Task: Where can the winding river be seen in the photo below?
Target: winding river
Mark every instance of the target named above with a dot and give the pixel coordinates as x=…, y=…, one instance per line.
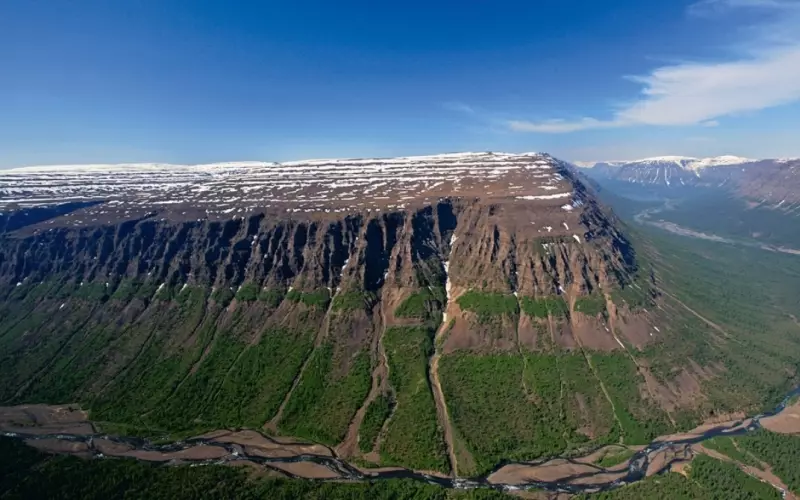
x=338, y=469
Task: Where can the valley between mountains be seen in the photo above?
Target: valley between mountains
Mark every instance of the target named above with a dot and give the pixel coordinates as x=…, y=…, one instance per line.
x=441, y=314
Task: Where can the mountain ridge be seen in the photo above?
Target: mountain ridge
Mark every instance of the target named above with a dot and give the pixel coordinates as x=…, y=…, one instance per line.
x=685, y=162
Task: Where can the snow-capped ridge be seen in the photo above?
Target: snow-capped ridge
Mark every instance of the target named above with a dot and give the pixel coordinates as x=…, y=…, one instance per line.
x=683, y=162
x=232, y=189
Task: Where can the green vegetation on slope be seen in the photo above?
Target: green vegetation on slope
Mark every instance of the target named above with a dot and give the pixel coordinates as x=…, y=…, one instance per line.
x=323, y=403
x=353, y=301
x=554, y=306
x=512, y=406
x=725, y=480
x=591, y=305
x=271, y=296
x=413, y=437
x=377, y=413
x=248, y=292
x=672, y=486
x=780, y=451
x=421, y=304
x=256, y=384
x=640, y=419
x=729, y=446
x=488, y=304
x=750, y=296
x=317, y=298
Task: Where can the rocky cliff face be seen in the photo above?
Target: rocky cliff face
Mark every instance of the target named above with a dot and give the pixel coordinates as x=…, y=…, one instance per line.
x=536, y=233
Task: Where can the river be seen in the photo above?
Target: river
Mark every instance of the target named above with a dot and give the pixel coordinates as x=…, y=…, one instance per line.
x=636, y=470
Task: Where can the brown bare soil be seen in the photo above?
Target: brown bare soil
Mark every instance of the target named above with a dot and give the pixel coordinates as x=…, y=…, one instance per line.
x=529, y=331
x=260, y=445
x=378, y=470
x=554, y=470
x=308, y=470
x=255, y=470
x=111, y=448
x=787, y=422
x=60, y=446
x=200, y=452
x=44, y=419
x=592, y=333
x=681, y=467
x=659, y=461
x=441, y=411
x=701, y=429
x=611, y=449
x=604, y=478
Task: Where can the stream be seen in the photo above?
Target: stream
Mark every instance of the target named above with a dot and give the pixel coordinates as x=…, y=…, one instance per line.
x=636, y=471
x=644, y=217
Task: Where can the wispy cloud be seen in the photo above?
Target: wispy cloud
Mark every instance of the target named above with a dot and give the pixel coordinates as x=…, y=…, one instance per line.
x=765, y=74
x=706, y=8
x=558, y=126
x=459, y=107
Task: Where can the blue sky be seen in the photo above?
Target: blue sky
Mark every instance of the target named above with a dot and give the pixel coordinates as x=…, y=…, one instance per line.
x=192, y=81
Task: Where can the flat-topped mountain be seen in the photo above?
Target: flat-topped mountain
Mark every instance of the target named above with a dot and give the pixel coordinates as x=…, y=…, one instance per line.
x=220, y=190
x=441, y=313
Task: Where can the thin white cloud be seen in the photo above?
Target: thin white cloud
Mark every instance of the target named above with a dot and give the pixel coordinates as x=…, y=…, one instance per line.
x=706, y=8
x=558, y=126
x=459, y=107
x=766, y=75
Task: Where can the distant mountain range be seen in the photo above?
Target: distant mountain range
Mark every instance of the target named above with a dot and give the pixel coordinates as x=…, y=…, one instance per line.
x=682, y=162
x=766, y=180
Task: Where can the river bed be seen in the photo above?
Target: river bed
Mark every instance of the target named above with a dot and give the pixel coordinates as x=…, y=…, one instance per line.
x=66, y=429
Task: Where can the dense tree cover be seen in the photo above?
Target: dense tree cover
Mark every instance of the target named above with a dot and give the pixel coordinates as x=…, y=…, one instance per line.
x=324, y=402
x=591, y=305
x=318, y=298
x=670, y=486
x=730, y=447
x=353, y=301
x=523, y=407
x=223, y=296
x=726, y=481
x=255, y=385
x=421, y=304
x=271, y=296
x=413, y=438
x=541, y=307
x=488, y=304
x=26, y=474
x=641, y=420
x=377, y=413
x=780, y=451
x=248, y=292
